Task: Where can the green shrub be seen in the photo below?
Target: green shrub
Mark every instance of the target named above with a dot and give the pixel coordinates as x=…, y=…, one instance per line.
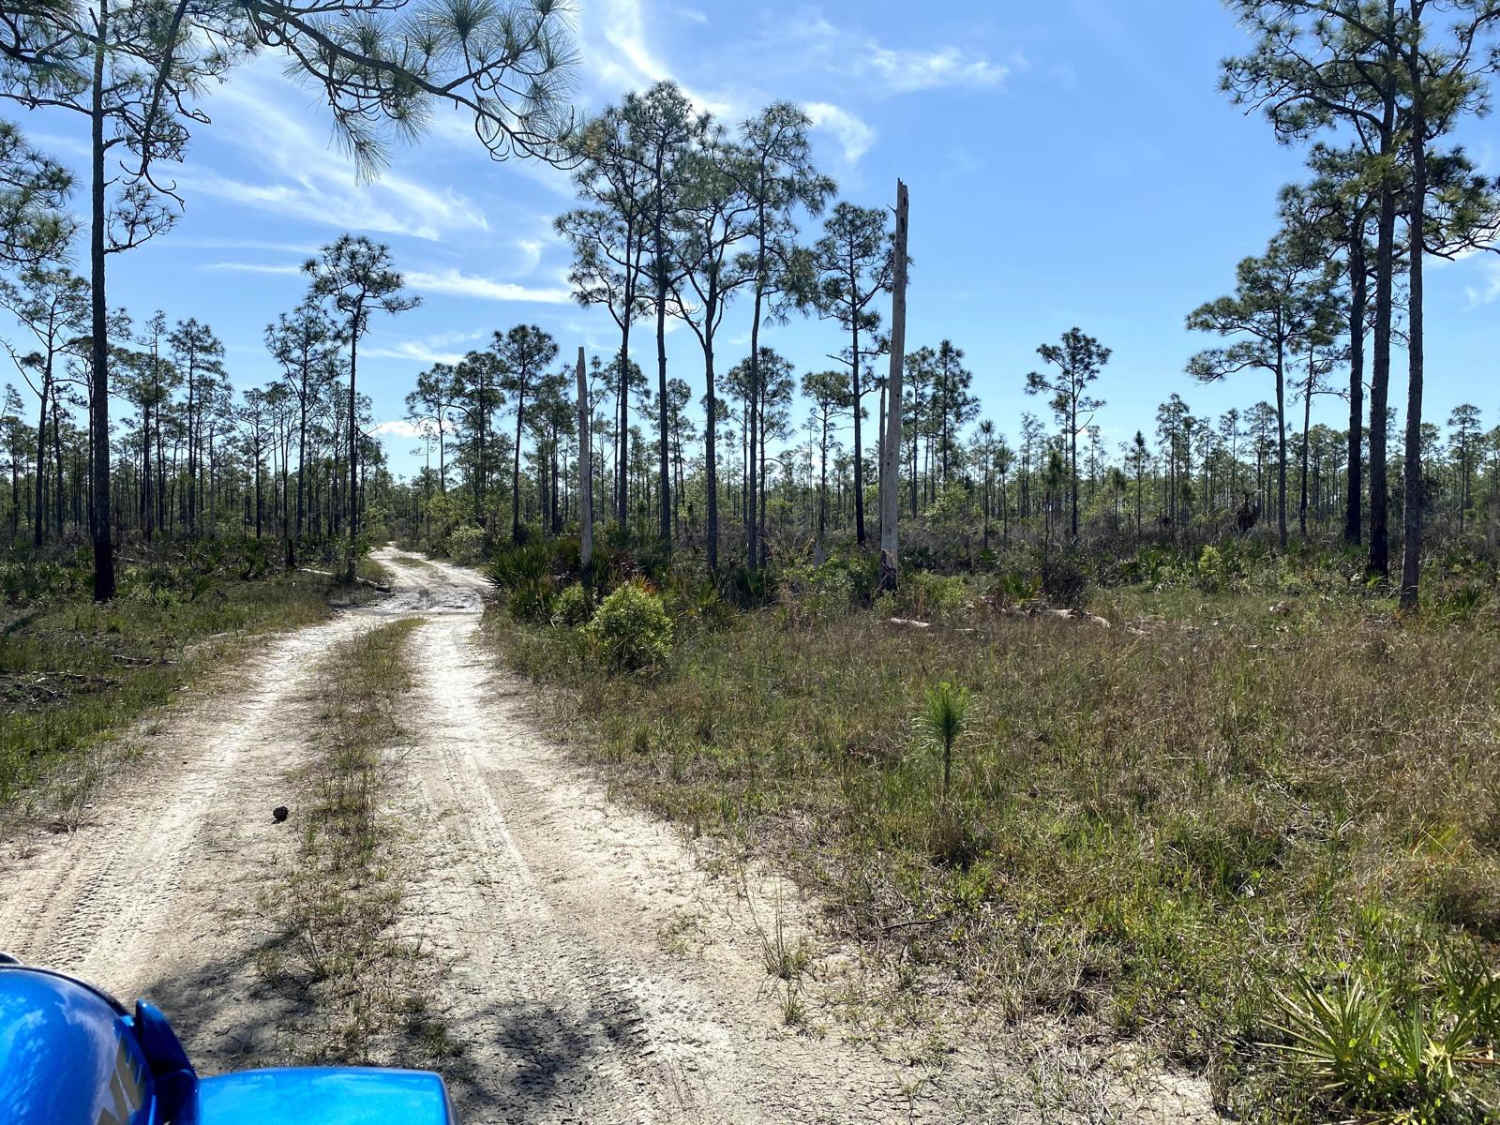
x=571, y=608
x=513, y=567
x=1011, y=587
x=631, y=629
x=531, y=603
x=1213, y=571
x=525, y=573
x=465, y=545
x=929, y=596
x=825, y=593
x=1064, y=582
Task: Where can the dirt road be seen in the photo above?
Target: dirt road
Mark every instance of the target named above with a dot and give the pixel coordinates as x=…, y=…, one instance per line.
x=590, y=968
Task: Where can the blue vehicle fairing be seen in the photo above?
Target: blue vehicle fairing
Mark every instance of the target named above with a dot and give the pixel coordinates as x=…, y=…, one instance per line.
x=68, y=1055
x=72, y=1055
x=324, y=1096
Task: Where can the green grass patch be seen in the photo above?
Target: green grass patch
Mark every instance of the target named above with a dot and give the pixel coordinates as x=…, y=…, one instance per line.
x=72, y=670
x=1150, y=829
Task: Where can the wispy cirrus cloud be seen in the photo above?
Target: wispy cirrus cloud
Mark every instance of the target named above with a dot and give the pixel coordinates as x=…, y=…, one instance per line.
x=813, y=41
x=303, y=175
x=456, y=283
x=624, y=50
x=252, y=267
x=305, y=249
x=617, y=57
x=905, y=72
x=436, y=348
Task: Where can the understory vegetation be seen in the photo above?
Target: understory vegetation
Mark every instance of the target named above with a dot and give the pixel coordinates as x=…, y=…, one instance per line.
x=72, y=669
x=336, y=900
x=336, y=903
x=1236, y=808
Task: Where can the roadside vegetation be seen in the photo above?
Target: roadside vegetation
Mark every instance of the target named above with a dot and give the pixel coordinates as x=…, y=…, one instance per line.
x=73, y=670
x=355, y=982
x=1236, y=809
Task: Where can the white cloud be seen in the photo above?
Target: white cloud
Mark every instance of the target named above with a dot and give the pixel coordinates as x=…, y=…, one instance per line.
x=302, y=249
x=532, y=249
x=306, y=177
x=616, y=56
x=894, y=70
x=905, y=71
x=398, y=427
x=693, y=15
x=628, y=63
x=1488, y=292
x=252, y=267
x=457, y=284
x=428, y=350
x=854, y=135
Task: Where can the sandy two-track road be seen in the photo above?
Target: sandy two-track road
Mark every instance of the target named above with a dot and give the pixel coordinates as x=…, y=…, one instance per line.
x=591, y=970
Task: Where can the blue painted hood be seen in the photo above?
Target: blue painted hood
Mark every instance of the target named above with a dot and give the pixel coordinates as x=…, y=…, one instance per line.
x=72, y=1055
x=324, y=1096
x=68, y=1055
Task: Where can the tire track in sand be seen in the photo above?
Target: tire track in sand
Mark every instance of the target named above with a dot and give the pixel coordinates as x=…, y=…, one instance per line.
x=545, y=906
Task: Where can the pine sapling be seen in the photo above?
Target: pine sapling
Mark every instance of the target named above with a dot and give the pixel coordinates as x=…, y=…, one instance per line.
x=941, y=722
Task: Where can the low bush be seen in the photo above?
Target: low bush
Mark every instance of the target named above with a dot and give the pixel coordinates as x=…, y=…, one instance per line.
x=1412, y=1050
x=933, y=597
x=631, y=630
x=465, y=545
x=825, y=593
x=571, y=608
x=1064, y=581
x=1213, y=572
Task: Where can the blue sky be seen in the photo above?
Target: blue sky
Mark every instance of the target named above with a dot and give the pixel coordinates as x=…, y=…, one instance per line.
x=1069, y=163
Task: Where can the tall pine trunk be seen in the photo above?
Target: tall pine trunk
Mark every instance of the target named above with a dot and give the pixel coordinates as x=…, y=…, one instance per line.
x=41, y=454
x=1357, y=298
x=752, y=404
x=1312, y=366
x=1280, y=444
x=622, y=435
x=711, y=456
x=104, y=556
x=585, y=478
x=859, y=408
x=353, y=497
x=1411, y=548
x=890, y=446
x=1380, y=375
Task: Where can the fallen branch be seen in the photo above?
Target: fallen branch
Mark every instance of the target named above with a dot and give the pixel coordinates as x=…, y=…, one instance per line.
x=934, y=920
x=381, y=586
x=1080, y=615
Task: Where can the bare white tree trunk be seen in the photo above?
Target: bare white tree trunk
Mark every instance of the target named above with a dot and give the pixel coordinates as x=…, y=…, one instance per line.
x=585, y=474
x=890, y=447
